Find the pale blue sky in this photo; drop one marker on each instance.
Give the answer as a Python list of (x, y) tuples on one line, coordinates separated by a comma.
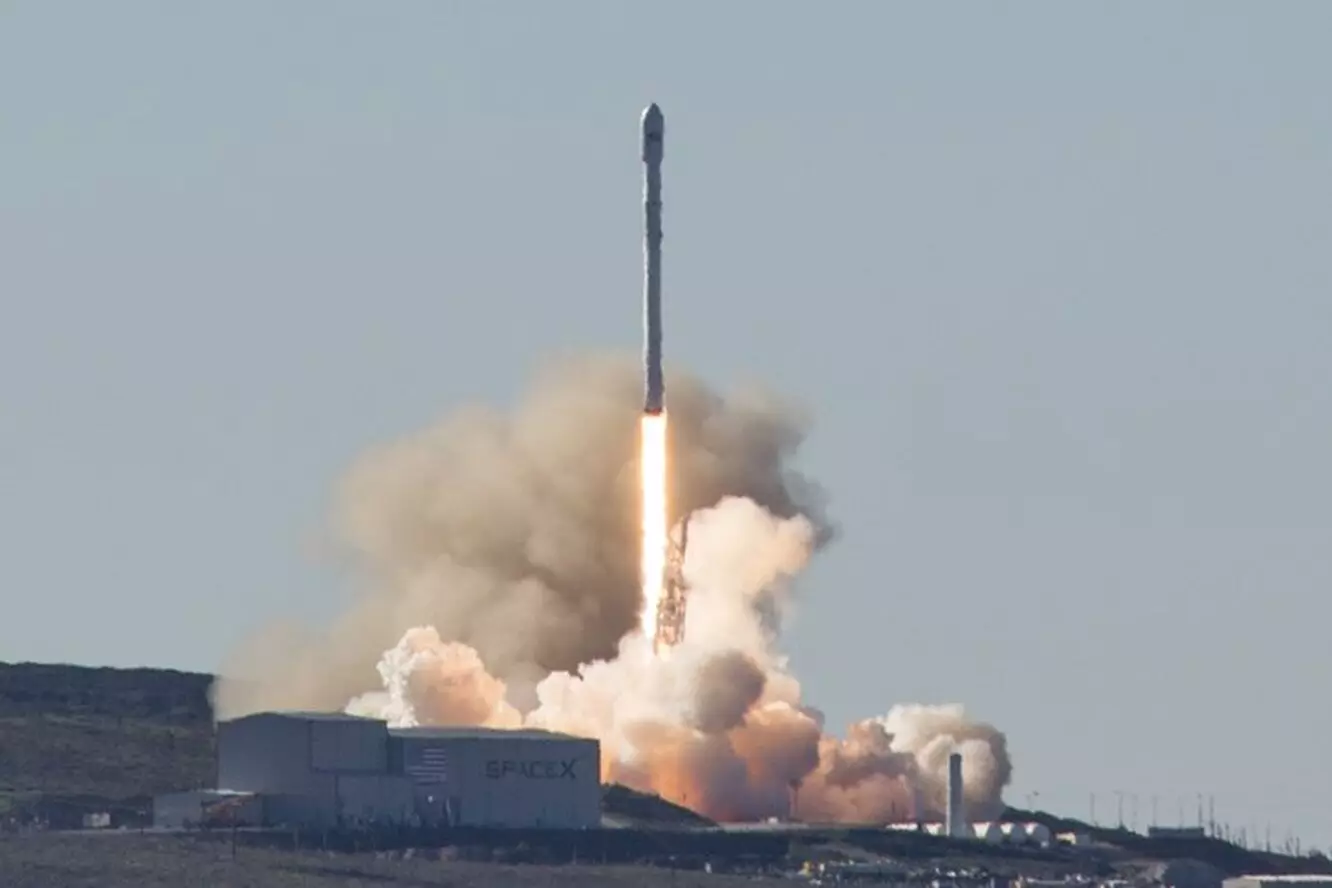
[(1054, 278)]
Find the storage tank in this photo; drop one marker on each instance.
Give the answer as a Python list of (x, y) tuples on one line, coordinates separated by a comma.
[(1014, 833), (955, 817)]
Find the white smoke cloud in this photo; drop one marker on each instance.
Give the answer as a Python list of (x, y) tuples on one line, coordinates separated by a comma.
[(717, 724), (500, 562)]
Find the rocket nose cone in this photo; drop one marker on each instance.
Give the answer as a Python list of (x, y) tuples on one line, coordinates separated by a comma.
[(654, 133), (652, 118)]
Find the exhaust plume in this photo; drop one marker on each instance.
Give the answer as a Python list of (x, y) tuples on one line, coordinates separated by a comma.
[(500, 558)]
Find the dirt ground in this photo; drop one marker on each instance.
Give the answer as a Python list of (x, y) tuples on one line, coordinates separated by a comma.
[(133, 860)]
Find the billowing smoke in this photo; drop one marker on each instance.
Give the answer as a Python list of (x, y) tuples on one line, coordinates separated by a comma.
[(500, 562)]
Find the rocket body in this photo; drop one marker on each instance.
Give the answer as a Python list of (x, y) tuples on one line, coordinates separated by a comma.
[(653, 138)]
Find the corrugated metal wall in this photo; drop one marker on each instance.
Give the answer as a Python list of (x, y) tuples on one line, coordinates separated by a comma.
[(348, 746), (512, 781), (262, 753), (322, 770), (375, 799), (297, 762)]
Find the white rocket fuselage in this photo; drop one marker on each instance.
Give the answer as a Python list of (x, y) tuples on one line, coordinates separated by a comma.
[(653, 138)]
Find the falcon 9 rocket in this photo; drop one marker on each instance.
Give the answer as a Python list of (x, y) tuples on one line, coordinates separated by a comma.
[(664, 590), (653, 137)]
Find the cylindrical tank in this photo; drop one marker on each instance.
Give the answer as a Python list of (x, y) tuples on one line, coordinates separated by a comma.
[(955, 819)]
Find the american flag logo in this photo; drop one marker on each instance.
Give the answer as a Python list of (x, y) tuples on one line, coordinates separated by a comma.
[(431, 767)]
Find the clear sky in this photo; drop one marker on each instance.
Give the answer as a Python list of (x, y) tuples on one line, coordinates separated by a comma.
[(1054, 278)]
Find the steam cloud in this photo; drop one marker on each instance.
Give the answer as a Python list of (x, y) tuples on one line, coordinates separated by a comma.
[(501, 562)]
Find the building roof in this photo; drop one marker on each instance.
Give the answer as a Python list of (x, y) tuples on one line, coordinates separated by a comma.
[(421, 733), (465, 733), (302, 715)]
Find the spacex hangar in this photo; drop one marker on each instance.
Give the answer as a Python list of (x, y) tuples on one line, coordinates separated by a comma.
[(313, 769)]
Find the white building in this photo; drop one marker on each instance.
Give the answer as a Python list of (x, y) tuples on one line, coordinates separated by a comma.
[(489, 777), (328, 769)]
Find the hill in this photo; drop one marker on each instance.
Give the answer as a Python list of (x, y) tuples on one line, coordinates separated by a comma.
[(1224, 856), (78, 740), (121, 860), (625, 807)]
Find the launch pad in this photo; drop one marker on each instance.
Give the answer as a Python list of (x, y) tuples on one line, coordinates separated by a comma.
[(672, 605)]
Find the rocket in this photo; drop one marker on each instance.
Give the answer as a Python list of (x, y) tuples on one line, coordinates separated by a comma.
[(653, 137)]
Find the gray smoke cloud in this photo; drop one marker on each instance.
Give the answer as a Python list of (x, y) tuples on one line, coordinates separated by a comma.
[(499, 560), (516, 533), (727, 686)]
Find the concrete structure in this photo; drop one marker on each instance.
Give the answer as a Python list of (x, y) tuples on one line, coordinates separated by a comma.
[(1176, 832), (955, 818), (326, 769), (487, 777), (990, 833), (994, 833), (1038, 834), (1184, 874)]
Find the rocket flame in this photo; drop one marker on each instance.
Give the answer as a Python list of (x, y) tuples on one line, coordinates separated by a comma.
[(652, 462)]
